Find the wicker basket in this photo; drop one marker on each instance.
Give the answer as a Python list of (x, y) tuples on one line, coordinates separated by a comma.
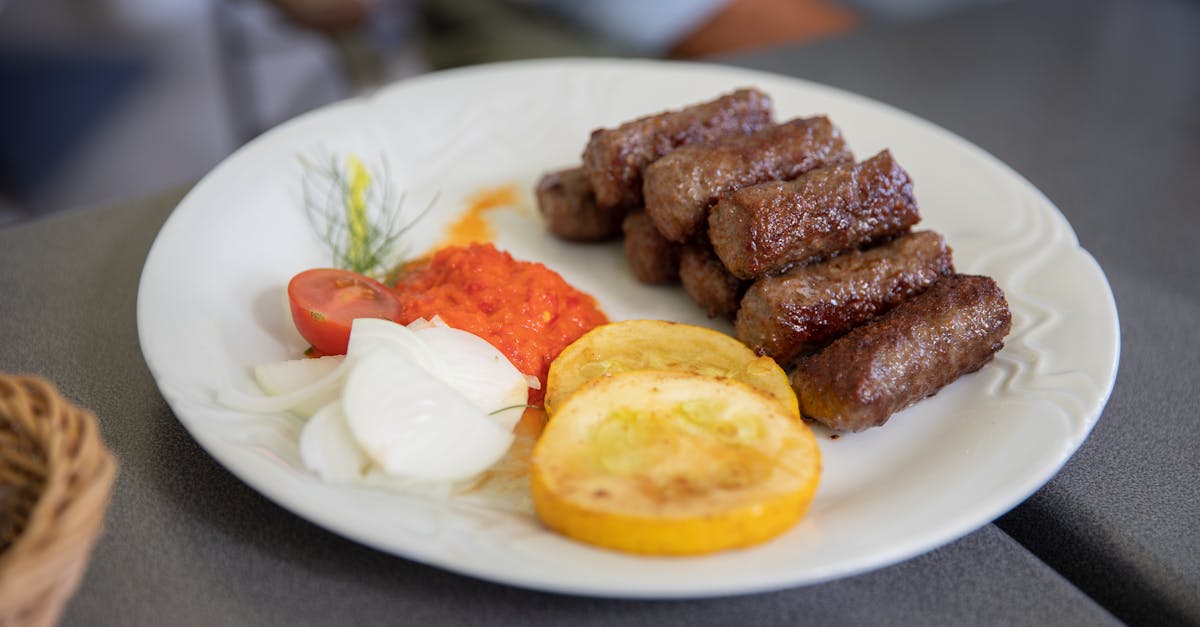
[(56, 477)]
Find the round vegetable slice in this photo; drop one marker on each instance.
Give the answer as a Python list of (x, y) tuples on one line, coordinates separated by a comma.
[(669, 463), (413, 425), (328, 448), (286, 377), (324, 301), (660, 345)]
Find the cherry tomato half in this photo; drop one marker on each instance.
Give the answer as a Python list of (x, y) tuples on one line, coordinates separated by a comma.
[(325, 301)]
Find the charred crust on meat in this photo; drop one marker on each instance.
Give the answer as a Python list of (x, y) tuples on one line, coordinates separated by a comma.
[(764, 228), (569, 210), (614, 158), (917, 348)]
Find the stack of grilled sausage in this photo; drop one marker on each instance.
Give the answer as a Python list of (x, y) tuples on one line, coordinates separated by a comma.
[(810, 253)]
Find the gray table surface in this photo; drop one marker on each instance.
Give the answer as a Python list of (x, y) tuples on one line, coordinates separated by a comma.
[(1098, 104)]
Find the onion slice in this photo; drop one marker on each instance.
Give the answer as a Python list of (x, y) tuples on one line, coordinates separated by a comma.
[(425, 402), (481, 373), (283, 377), (414, 425), (328, 449), (371, 334), (311, 392)]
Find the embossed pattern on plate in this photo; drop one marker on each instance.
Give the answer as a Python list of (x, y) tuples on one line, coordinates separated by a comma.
[(935, 472)]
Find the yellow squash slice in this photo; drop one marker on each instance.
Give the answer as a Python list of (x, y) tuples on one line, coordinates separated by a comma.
[(669, 463), (660, 345)]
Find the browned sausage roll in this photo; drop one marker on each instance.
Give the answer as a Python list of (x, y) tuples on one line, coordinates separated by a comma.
[(680, 187), (800, 310), (909, 353), (654, 258), (707, 281), (569, 208), (614, 158), (767, 227)]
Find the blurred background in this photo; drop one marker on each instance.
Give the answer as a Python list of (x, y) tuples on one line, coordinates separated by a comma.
[(105, 100)]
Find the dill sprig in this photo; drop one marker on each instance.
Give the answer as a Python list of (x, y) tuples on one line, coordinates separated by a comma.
[(355, 212), (504, 409)]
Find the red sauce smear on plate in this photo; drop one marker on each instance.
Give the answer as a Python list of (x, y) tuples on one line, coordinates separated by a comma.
[(523, 308), (472, 225)]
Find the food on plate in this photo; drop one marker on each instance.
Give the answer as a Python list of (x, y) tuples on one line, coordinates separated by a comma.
[(569, 208), (779, 230), (324, 301), (277, 378), (786, 315), (412, 424), (680, 187), (355, 213), (613, 158), (522, 308), (472, 224), (660, 345), (767, 227), (909, 353), (392, 405), (417, 403), (707, 281), (673, 463), (653, 258)]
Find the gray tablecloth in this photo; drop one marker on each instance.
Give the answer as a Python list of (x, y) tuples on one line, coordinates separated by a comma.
[(1097, 103)]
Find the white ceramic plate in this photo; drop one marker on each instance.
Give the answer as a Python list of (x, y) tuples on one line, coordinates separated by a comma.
[(210, 306)]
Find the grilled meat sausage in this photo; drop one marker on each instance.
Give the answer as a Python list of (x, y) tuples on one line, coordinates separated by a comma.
[(680, 187), (767, 227), (614, 158), (797, 311), (654, 259), (707, 281), (905, 355), (569, 208)]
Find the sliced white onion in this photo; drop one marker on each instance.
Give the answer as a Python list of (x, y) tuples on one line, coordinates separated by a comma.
[(420, 403), (413, 425), (327, 384), (283, 377), (328, 449), (481, 373), (371, 334), (422, 323)]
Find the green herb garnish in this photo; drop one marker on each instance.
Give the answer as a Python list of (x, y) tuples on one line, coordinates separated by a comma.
[(504, 409), (355, 213)]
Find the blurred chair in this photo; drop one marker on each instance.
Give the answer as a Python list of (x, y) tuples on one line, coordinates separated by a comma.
[(255, 39)]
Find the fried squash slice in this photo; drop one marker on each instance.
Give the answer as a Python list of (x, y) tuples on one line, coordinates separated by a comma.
[(665, 346), (673, 463)]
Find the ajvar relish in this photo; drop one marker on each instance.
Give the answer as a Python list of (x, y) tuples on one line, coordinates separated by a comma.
[(523, 308)]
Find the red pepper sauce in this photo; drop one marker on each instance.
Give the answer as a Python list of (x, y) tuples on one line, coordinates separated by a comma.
[(524, 309), (472, 225)]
